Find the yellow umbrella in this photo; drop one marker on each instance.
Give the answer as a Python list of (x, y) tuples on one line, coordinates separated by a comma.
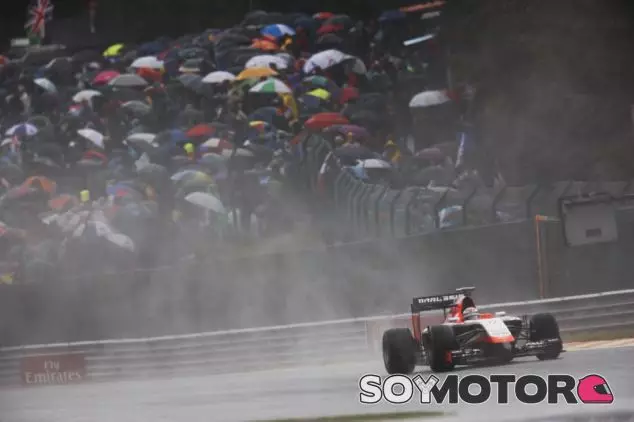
[(255, 72), (320, 93), (291, 104), (113, 50)]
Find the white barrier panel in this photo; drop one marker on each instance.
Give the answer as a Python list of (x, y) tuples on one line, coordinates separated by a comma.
[(293, 345)]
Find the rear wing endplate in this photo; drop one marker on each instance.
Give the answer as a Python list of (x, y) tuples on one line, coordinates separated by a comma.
[(430, 303)]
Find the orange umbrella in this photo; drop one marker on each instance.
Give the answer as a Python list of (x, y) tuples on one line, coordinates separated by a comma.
[(38, 182), (63, 202), (265, 44), (255, 73)]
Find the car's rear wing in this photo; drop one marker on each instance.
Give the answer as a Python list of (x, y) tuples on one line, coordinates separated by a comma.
[(430, 303)]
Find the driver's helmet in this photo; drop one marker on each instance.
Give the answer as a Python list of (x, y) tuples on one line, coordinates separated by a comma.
[(470, 313)]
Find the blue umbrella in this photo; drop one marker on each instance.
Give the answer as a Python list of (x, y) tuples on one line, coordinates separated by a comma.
[(392, 15), (277, 31)]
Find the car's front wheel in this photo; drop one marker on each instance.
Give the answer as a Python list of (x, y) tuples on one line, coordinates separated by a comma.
[(544, 327)]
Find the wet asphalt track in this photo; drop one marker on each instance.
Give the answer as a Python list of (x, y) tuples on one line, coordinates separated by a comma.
[(303, 393)]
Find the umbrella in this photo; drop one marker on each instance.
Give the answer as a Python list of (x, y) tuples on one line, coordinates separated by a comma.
[(137, 107), (240, 152), (330, 40), (93, 136), (319, 81), (374, 163), (218, 77), (320, 93), (392, 15), (266, 60), (24, 129), (348, 94), (193, 66), (148, 138), (343, 20), (277, 31), (105, 77), (86, 95), (322, 16), (265, 45), (270, 86), (201, 130), (356, 131), (128, 81), (256, 73), (429, 98), (207, 201), (150, 62), (216, 145), (324, 120), (325, 59), (47, 85), (352, 153), (191, 81), (113, 50)]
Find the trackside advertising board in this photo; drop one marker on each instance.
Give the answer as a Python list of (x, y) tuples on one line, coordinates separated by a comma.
[(53, 369)]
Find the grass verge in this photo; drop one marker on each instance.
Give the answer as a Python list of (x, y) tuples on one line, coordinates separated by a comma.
[(395, 416)]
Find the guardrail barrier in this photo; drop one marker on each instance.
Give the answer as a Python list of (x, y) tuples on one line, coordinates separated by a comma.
[(273, 347)]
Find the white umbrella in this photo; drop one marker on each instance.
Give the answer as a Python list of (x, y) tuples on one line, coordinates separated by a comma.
[(429, 99), (93, 136), (218, 76), (325, 59), (266, 60), (240, 152), (6, 142), (271, 85), (206, 201), (150, 62), (46, 85), (86, 95), (128, 80), (28, 128), (145, 137), (374, 163)]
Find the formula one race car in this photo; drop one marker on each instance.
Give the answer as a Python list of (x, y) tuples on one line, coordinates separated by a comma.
[(467, 337)]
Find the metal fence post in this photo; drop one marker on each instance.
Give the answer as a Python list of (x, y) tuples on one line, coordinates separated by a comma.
[(394, 201), (437, 208), (466, 203), (529, 200), (377, 218), (496, 200), (408, 220)]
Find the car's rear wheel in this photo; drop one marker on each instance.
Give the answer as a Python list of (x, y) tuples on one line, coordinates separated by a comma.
[(440, 342), (399, 351), (544, 327)]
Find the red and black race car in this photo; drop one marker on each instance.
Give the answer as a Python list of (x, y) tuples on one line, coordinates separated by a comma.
[(467, 336)]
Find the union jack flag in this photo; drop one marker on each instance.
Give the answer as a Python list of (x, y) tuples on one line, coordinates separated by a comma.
[(39, 13)]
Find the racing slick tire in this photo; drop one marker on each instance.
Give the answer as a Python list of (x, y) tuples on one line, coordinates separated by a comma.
[(441, 341), (399, 351), (545, 327)]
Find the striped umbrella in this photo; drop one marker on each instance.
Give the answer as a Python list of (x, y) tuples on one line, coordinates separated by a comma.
[(271, 86)]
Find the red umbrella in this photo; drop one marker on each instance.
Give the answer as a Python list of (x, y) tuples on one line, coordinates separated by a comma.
[(105, 77), (324, 120), (348, 94), (330, 28), (201, 130), (322, 16)]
